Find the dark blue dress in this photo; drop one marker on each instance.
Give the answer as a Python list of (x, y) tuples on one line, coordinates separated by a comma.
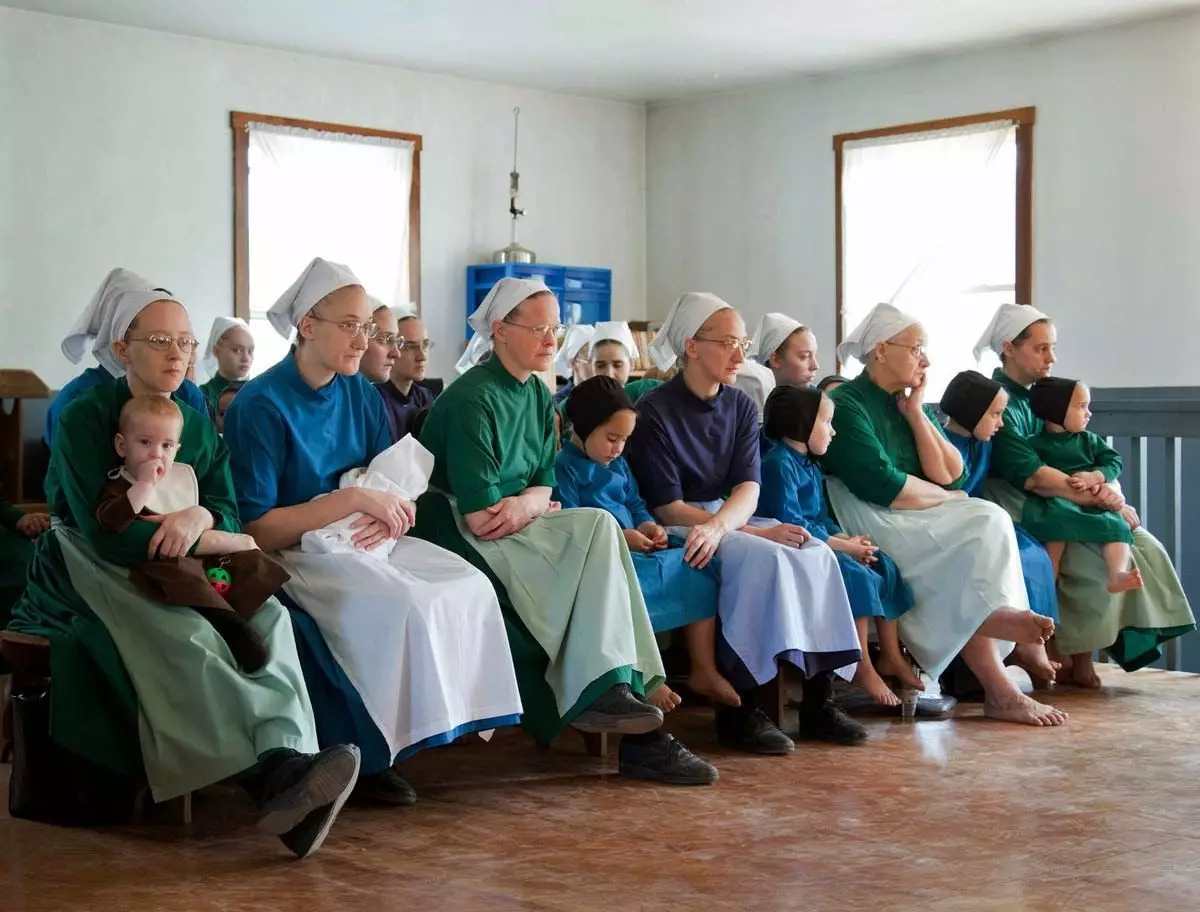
[(675, 594), (1035, 562), (793, 492)]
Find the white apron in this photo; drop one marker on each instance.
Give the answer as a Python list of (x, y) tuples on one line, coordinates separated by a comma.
[(175, 491), (960, 559), (416, 629)]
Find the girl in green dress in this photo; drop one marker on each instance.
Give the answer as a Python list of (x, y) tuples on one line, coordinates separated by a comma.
[(1064, 443)]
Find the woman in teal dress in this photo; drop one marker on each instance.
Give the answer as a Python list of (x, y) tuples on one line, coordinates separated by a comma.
[(227, 358), (123, 665), (582, 640)]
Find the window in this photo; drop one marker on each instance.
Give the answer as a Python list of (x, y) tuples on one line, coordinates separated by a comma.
[(936, 219), (305, 189)]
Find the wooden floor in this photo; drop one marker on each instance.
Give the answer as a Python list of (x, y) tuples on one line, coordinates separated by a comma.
[(1103, 814)]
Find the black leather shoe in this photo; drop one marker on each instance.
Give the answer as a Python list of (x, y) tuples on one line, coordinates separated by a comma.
[(748, 728), (383, 788), (664, 760), (619, 711), (826, 722), (303, 795)]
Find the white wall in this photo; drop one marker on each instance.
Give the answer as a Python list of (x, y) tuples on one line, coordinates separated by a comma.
[(115, 149), (740, 189)]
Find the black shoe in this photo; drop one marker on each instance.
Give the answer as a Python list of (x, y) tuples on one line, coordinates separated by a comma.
[(748, 728), (619, 711), (664, 760), (303, 795), (827, 722), (383, 788)]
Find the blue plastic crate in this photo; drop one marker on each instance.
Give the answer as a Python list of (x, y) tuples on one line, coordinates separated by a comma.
[(589, 287)]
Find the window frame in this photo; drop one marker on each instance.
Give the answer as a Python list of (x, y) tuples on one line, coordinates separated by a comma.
[(240, 122), (1023, 119)]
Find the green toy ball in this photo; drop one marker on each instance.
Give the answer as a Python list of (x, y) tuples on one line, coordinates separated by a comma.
[(220, 580)]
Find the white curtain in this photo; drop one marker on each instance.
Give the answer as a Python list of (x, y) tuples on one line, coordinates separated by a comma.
[(333, 195), (929, 224)]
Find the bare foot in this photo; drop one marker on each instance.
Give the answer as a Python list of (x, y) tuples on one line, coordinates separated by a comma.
[(1033, 659), (1017, 626), (1083, 672), (896, 667), (868, 679), (1125, 580), (664, 698), (710, 683), (1023, 710)]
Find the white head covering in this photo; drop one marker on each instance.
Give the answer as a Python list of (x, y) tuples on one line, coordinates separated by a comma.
[(576, 338), (614, 331), (683, 321), (121, 297), (772, 331), (756, 381), (221, 325), (319, 278), (476, 349), (882, 323), (1009, 322), (501, 301)]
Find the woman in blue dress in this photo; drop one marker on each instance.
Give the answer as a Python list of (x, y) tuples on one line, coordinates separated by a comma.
[(591, 472), (974, 406), (799, 420)]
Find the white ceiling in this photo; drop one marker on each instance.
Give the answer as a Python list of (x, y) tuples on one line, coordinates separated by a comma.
[(633, 50)]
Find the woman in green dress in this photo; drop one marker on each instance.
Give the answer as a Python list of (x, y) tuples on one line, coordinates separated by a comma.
[(227, 358), (581, 637), (1131, 626), (147, 689)]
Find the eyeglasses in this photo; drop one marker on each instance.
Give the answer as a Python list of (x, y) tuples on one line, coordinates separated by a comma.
[(387, 340), (918, 351), (163, 342), (422, 345), (351, 327), (544, 330), (730, 345)]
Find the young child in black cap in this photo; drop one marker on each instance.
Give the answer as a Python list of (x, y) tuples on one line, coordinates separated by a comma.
[(1064, 443)]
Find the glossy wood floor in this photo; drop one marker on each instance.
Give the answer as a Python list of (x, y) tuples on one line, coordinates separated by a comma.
[(1103, 814)]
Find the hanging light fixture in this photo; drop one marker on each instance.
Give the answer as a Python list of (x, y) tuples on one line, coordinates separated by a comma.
[(514, 252)]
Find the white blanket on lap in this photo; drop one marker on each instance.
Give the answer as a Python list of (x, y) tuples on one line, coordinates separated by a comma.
[(402, 469)]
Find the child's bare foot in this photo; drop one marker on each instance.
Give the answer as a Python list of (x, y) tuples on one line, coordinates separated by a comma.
[(1023, 710), (1033, 659), (1083, 672), (896, 667), (1125, 580), (664, 698), (712, 684), (868, 679)]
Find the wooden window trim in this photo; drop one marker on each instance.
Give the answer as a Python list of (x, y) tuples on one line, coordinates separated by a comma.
[(1024, 119), (240, 121)]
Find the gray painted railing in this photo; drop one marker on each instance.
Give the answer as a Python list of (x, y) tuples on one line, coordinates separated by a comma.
[(1156, 430)]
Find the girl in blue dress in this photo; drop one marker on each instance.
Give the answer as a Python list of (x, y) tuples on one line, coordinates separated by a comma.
[(591, 472), (799, 420), (974, 406)]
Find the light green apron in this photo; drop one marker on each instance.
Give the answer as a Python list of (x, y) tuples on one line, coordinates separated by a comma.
[(1131, 625), (200, 720), (571, 582)]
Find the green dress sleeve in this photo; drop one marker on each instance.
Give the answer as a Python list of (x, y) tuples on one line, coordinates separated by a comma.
[(1105, 458), (859, 460), (1013, 458), (9, 516), (471, 455), (543, 476)]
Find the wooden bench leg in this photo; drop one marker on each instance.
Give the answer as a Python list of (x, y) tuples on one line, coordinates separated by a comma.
[(596, 743)]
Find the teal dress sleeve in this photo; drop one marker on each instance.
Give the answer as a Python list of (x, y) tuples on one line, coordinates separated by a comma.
[(634, 502), (258, 442), (566, 491), (1105, 458), (471, 462), (859, 460)]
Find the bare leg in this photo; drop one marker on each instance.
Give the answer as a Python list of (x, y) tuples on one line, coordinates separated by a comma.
[(891, 662), (1017, 626), (1055, 550), (865, 675), (1036, 662), (1002, 700), (704, 678), (1120, 577), (1083, 671)]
